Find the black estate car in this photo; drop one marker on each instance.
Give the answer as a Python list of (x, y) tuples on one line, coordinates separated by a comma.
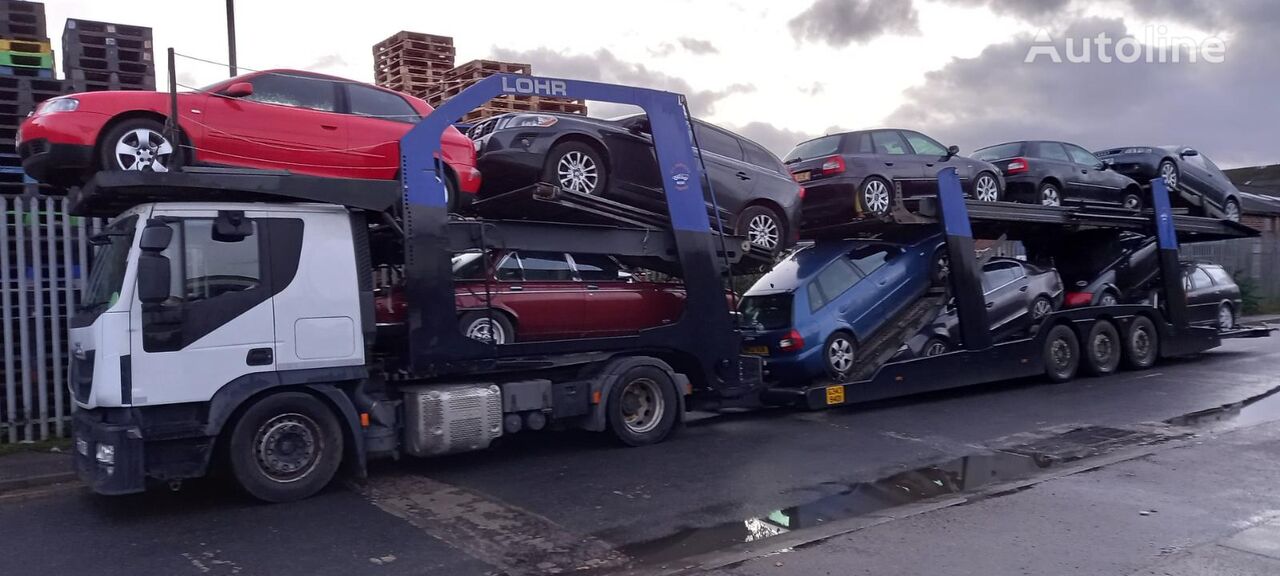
[(854, 174), (1104, 268), (1055, 173), (1190, 175), (615, 159), (1213, 298)]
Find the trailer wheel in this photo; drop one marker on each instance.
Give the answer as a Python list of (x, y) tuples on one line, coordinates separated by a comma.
[(642, 406), (1102, 349), (1141, 344), (285, 447), (1061, 354)]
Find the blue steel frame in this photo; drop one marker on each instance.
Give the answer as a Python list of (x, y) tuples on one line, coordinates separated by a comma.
[(706, 333)]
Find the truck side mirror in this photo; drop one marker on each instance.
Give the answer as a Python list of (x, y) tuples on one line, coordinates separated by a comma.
[(156, 236), (153, 277)]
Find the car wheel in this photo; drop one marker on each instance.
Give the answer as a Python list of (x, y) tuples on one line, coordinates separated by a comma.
[(1232, 210), (1169, 171), (1102, 349), (577, 167), (1108, 298), (940, 270), (642, 406), (1226, 317), (139, 144), (763, 228), (934, 347), (1132, 201), (285, 447), (1040, 307), (839, 353), (986, 188), (875, 196), (1050, 195), (1141, 344), (488, 327), (1061, 354)]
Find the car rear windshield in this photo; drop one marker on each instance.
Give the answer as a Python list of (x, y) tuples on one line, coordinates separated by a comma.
[(1219, 275), (766, 312), (825, 146), (999, 152)]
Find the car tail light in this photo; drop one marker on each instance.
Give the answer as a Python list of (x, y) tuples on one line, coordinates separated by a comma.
[(800, 193), (833, 165), (1017, 166), (794, 341), (1077, 299)]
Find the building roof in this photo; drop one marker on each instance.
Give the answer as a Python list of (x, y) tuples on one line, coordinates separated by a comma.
[(1264, 179)]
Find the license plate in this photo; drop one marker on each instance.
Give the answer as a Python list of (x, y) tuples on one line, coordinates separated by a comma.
[(835, 395), (757, 350), (802, 176)]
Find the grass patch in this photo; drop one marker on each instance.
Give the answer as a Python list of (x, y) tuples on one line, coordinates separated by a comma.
[(62, 444)]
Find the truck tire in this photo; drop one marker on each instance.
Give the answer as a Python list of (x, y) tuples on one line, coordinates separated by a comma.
[(1102, 349), (642, 406), (285, 447), (1141, 344), (1061, 354)]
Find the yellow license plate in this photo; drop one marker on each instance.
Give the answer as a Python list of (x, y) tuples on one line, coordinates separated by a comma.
[(835, 395), (802, 176), (757, 350)]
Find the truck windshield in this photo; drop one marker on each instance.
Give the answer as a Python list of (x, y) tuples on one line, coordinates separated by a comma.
[(107, 273), (766, 311)]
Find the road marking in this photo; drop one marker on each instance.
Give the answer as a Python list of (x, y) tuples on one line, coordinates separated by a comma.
[(514, 540)]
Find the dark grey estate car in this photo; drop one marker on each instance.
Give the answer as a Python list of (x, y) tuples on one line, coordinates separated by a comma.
[(1192, 177), (854, 174), (1213, 298)]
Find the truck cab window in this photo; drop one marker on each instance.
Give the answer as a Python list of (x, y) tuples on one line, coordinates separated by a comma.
[(203, 268)]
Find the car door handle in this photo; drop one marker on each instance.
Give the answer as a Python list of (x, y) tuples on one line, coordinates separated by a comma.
[(258, 357), (329, 126), (515, 288), (991, 304), (592, 287), (743, 176), (1022, 289), (888, 163)]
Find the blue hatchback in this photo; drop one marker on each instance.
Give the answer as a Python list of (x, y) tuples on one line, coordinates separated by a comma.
[(808, 315)]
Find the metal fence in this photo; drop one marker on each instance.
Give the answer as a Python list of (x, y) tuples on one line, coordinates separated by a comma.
[(42, 274), (1255, 260)]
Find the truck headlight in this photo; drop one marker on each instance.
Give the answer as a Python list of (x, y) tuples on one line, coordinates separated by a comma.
[(106, 454), (58, 105)]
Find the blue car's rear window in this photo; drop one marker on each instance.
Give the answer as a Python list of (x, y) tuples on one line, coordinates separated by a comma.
[(766, 312)]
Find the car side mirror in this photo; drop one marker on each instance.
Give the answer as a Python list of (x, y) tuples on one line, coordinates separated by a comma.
[(239, 90), (1102, 166), (953, 150), (1189, 152), (153, 278), (625, 276)]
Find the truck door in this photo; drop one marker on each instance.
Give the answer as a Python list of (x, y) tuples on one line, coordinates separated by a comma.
[(218, 323)]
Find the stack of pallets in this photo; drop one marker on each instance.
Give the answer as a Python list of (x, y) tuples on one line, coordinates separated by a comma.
[(26, 80), (107, 56), (24, 45), (412, 62)]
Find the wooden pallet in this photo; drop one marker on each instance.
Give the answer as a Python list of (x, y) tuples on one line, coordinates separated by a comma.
[(415, 37), (477, 69)]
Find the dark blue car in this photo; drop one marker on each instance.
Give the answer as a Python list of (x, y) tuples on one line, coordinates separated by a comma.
[(808, 315)]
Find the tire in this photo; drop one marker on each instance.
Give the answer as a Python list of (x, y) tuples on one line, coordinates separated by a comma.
[(1132, 200), (265, 442), (476, 324), (1231, 211), (1102, 350), (940, 270), (577, 167), (876, 195), (763, 228), (642, 406), (450, 195), (1168, 169), (986, 187), (935, 346), (838, 353), (1061, 354), (1141, 344), (1040, 307), (1226, 317), (1108, 298), (1050, 195), (139, 144)]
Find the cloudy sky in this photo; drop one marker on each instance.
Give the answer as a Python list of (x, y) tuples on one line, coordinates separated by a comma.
[(781, 72)]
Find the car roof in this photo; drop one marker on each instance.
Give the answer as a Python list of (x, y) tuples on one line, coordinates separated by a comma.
[(802, 265)]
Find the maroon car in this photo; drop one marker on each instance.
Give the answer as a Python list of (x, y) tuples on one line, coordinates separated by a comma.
[(548, 296)]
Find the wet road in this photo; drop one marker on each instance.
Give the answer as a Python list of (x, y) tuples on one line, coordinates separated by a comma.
[(550, 503)]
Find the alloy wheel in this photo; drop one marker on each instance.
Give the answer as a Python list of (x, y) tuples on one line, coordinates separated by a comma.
[(1226, 319), (875, 197), (1108, 299), (1132, 202), (1233, 211), (935, 348), (840, 355), (485, 330), (143, 149), (986, 189), (1041, 308), (1170, 174), (762, 231), (1049, 197), (577, 172)]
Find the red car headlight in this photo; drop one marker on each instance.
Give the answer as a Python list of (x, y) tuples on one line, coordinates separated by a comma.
[(58, 105)]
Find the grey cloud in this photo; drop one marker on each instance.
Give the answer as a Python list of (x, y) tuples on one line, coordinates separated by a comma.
[(1032, 10), (603, 66), (1226, 109), (325, 62), (839, 23), (696, 46)]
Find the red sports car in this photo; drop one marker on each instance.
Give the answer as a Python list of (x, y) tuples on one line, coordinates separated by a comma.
[(277, 119), (548, 296)]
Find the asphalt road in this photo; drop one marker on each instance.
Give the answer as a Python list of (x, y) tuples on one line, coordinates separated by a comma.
[(557, 502)]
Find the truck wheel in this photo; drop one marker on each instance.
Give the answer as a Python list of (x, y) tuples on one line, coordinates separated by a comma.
[(285, 447), (139, 144), (1102, 349), (1061, 354), (486, 327), (1141, 344), (642, 406)]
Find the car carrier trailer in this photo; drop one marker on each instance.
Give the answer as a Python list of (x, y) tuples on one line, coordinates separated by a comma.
[(229, 320)]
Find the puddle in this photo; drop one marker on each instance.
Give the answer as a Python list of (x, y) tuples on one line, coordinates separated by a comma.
[(1260, 409), (960, 475)]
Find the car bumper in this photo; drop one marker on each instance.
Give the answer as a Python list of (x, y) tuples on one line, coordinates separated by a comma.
[(829, 202), (1019, 190), (125, 472), (794, 369), (510, 161), (58, 148)]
